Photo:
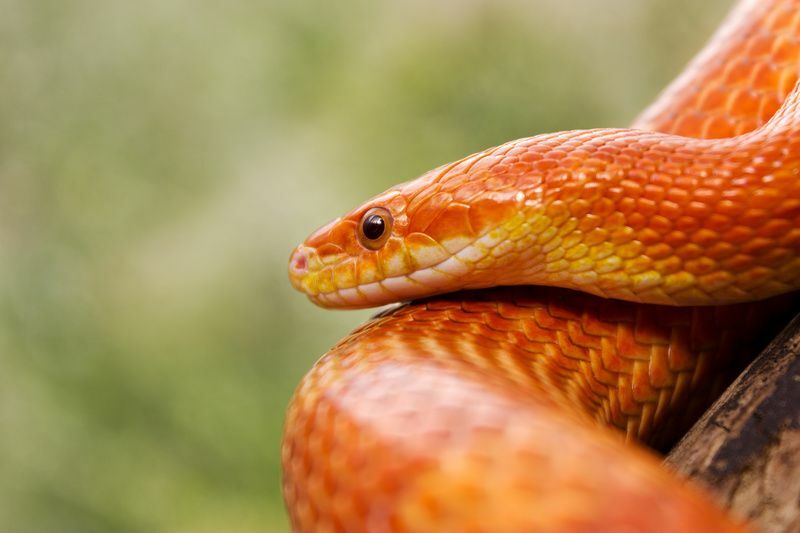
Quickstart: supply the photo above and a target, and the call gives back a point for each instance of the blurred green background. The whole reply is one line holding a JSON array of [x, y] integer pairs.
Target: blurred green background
[[158, 161]]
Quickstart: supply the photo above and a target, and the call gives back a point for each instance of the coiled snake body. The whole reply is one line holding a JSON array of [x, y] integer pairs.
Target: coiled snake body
[[478, 411]]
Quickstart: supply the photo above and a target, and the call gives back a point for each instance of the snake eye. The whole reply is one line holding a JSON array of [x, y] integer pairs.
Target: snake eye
[[375, 228]]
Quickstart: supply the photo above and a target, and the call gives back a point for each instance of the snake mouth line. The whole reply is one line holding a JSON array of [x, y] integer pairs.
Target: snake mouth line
[[438, 278], [428, 281]]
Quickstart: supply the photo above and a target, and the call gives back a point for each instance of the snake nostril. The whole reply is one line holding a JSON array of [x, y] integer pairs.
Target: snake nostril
[[299, 262]]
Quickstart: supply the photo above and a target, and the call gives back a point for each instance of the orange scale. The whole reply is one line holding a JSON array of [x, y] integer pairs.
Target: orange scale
[[498, 169], [627, 403], [482, 164], [329, 250], [544, 319], [594, 326], [570, 349], [775, 228], [626, 205], [679, 354], [448, 181], [564, 311], [560, 366], [632, 188], [647, 207], [467, 191], [580, 337], [521, 168], [791, 239], [629, 151], [735, 70], [744, 103], [601, 377], [637, 220], [661, 224], [646, 166], [669, 209], [641, 388], [441, 305], [757, 246], [530, 157], [457, 169], [655, 251], [544, 165], [675, 238], [659, 373], [754, 218], [724, 171], [711, 97], [628, 347], [730, 207], [685, 182], [614, 413], [741, 157], [689, 124], [615, 194], [656, 189], [672, 168], [538, 334], [556, 154], [778, 256], [426, 210], [512, 311], [602, 157], [770, 103], [705, 237], [766, 198], [738, 262], [588, 221], [687, 223], [702, 265], [518, 150], [720, 250], [479, 307], [784, 49], [690, 251], [717, 222], [345, 274], [499, 323], [464, 317]]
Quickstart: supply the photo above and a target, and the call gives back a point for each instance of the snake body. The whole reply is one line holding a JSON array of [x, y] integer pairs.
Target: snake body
[[478, 411]]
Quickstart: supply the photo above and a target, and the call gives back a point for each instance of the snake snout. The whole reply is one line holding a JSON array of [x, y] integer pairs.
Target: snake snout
[[299, 262], [299, 265]]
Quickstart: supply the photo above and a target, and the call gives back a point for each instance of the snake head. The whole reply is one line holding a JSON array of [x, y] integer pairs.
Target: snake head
[[414, 240]]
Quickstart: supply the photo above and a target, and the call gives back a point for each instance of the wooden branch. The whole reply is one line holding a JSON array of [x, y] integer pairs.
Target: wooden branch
[[746, 448]]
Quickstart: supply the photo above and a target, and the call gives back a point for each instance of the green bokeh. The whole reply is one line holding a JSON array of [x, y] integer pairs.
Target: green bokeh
[[159, 159]]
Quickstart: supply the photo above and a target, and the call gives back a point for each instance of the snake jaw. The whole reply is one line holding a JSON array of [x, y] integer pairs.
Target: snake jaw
[[438, 244]]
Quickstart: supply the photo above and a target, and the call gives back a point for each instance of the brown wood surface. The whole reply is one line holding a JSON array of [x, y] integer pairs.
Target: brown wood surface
[[746, 448]]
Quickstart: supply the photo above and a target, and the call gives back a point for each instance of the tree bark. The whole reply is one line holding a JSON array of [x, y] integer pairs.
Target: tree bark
[[746, 448]]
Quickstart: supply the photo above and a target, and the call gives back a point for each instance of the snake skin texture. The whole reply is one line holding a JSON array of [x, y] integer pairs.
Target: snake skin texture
[[499, 409], [739, 80], [471, 412]]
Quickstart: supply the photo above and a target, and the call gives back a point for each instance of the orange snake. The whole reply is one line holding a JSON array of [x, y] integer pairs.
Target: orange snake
[[477, 411]]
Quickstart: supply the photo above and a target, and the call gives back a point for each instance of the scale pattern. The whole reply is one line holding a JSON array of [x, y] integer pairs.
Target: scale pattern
[[479, 411], [739, 81], [438, 415]]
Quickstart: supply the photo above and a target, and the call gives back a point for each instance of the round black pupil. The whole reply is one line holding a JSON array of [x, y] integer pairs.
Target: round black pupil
[[373, 227]]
